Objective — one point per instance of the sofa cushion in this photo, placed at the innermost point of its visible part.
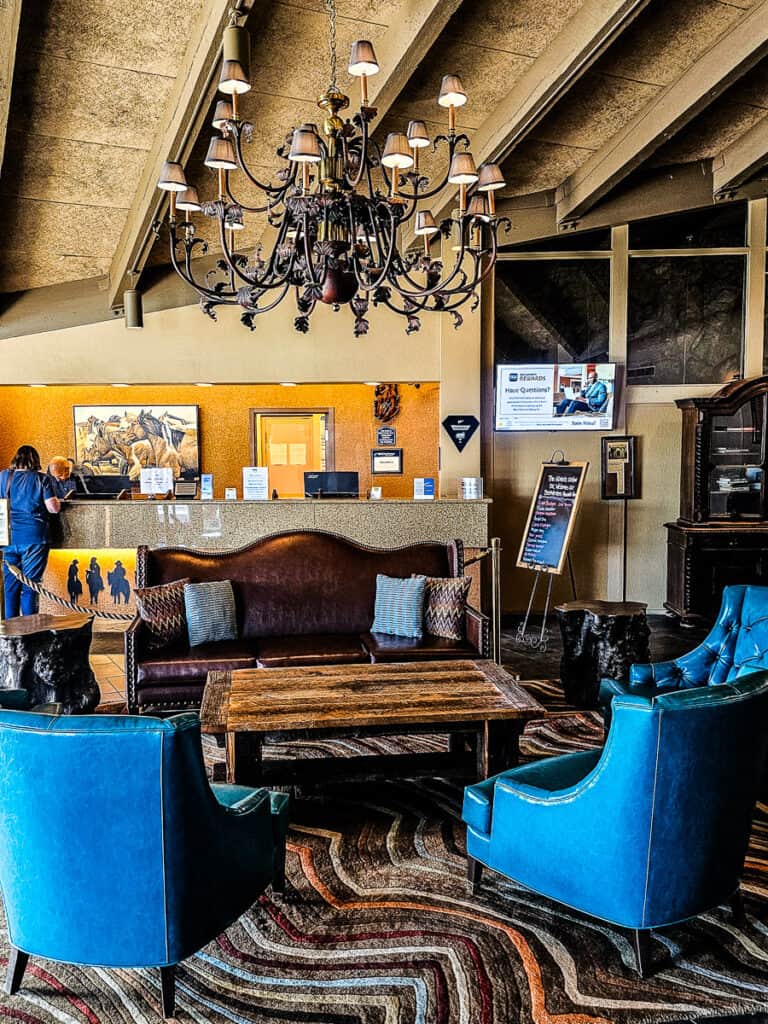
(162, 610)
(399, 606)
(445, 604)
(210, 612)
(333, 649)
(383, 647)
(186, 664)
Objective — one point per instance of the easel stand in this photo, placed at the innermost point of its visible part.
(540, 642)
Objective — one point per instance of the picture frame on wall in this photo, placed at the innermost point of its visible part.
(618, 468)
(387, 461)
(124, 439)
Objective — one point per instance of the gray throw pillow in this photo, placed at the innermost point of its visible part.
(210, 611)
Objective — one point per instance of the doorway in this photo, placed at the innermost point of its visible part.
(292, 442)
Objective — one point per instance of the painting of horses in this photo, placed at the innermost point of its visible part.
(119, 439)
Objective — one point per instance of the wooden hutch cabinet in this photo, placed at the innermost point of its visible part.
(721, 536)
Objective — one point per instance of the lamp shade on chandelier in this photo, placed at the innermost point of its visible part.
(338, 209)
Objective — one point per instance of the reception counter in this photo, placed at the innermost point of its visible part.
(219, 525)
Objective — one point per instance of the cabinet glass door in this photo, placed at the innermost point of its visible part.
(736, 459)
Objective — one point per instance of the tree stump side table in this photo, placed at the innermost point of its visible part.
(600, 639)
(47, 655)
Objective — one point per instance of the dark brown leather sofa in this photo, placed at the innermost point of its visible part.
(303, 598)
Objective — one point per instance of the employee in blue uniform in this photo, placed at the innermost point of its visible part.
(591, 398)
(30, 500)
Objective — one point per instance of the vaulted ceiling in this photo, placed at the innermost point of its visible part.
(575, 97)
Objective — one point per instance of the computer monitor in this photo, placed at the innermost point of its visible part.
(331, 485)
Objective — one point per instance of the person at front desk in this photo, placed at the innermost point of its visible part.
(591, 398)
(30, 500)
(60, 472)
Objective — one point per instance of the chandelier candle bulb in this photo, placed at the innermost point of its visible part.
(452, 95)
(489, 180)
(233, 78)
(362, 64)
(221, 155)
(305, 145)
(463, 170)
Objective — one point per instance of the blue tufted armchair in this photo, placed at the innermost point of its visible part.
(647, 831)
(114, 849)
(736, 644)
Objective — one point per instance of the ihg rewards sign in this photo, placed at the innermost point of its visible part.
(560, 396)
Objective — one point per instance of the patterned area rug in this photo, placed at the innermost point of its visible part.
(377, 927)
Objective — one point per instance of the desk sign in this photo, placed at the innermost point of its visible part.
(552, 516)
(469, 487)
(156, 480)
(230, 494)
(386, 436)
(387, 460)
(206, 487)
(255, 483)
(460, 429)
(424, 488)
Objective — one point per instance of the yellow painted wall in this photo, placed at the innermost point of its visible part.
(43, 417)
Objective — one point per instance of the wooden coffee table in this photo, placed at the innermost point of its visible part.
(478, 704)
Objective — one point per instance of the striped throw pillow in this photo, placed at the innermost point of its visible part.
(162, 610)
(444, 606)
(210, 612)
(399, 608)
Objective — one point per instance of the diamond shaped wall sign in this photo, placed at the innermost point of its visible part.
(460, 429)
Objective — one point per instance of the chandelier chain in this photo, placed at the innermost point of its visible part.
(330, 7)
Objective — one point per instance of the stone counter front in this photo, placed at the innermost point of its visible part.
(218, 525)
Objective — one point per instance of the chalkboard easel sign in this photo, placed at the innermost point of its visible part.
(551, 516)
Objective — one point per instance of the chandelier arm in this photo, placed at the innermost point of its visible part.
(186, 273)
(368, 287)
(252, 209)
(363, 165)
(269, 189)
(235, 270)
(317, 282)
(452, 141)
(256, 310)
(441, 285)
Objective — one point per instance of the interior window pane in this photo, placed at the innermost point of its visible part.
(713, 227)
(552, 311)
(686, 319)
(579, 241)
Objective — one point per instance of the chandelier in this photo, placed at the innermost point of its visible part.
(338, 209)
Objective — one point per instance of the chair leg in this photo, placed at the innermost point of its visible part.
(736, 903)
(168, 987)
(17, 964)
(474, 874)
(642, 942)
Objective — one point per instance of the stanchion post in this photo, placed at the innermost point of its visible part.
(496, 598)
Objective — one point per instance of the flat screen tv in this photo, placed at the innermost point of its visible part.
(555, 396)
(331, 485)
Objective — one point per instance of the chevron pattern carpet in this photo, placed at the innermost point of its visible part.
(377, 927)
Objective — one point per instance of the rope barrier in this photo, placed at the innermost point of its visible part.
(94, 613)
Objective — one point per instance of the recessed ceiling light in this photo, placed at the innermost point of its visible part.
(121, 385)
(372, 383)
(287, 384)
(38, 385)
(203, 384)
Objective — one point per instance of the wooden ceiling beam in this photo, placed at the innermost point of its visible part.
(730, 57)
(573, 51)
(10, 16)
(738, 163)
(404, 46)
(185, 110)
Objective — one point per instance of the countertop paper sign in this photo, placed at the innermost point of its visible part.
(156, 480)
(255, 483)
(206, 487)
(424, 488)
(460, 429)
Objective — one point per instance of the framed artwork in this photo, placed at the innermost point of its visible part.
(387, 461)
(124, 439)
(618, 468)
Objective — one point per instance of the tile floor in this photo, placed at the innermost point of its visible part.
(109, 670)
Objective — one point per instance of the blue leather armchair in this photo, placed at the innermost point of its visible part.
(736, 645)
(114, 849)
(651, 829)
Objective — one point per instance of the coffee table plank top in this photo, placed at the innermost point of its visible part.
(350, 696)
